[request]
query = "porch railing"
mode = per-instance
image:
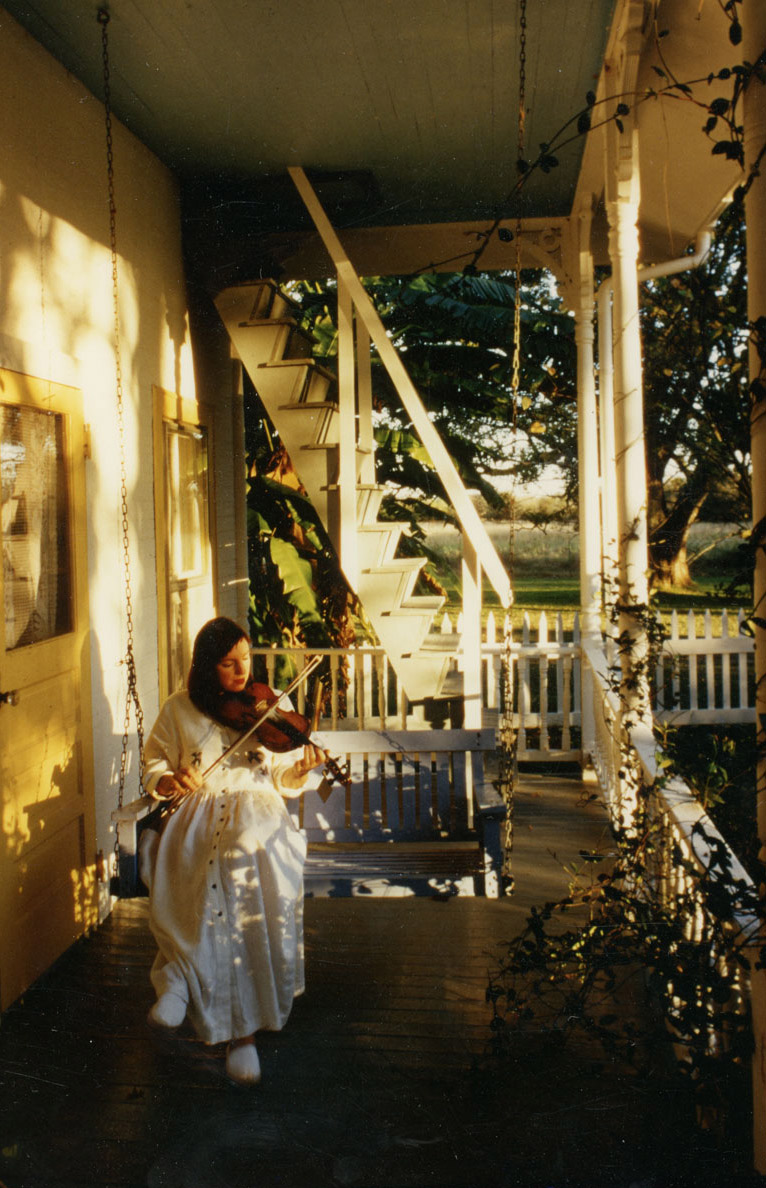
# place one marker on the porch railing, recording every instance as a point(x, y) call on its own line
point(691, 862)
point(362, 690)
point(700, 678)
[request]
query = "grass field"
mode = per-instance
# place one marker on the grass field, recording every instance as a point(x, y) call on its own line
point(544, 569)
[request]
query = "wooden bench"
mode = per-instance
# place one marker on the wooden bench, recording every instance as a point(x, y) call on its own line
point(421, 816)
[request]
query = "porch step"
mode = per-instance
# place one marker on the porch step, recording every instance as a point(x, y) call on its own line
point(377, 543)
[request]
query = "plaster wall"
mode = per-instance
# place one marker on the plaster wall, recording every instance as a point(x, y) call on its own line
point(57, 322)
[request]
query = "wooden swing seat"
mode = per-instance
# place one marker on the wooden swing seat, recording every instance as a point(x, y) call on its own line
point(421, 816)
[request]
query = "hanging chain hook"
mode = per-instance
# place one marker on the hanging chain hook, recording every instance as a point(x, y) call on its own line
point(130, 662)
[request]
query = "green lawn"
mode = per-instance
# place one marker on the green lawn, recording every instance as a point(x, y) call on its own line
point(545, 576)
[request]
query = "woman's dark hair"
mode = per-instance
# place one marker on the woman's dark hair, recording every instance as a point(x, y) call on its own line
point(214, 641)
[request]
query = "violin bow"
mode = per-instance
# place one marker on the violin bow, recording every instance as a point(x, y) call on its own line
point(301, 677)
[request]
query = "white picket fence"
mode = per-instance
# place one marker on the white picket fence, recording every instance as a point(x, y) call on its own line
point(705, 678)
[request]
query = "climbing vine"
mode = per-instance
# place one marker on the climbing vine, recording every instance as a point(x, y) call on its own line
point(650, 918)
point(722, 123)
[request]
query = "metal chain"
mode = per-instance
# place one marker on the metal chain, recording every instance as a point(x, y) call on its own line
point(508, 737)
point(516, 369)
point(507, 754)
point(132, 697)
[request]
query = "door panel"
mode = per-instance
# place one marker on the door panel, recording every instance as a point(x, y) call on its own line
point(47, 858)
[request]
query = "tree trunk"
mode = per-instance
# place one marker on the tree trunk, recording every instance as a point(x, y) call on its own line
point(668, 542)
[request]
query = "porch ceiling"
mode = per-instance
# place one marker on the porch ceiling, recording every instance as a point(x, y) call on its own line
point(404, 112)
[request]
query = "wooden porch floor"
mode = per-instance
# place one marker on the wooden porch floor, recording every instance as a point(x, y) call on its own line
point(381, 1079)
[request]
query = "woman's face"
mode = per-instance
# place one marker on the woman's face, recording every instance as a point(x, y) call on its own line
point(234, 669)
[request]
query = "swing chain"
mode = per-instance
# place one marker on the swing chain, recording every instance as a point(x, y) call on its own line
point(508, 750)
point(132, 696)
point(516, 371)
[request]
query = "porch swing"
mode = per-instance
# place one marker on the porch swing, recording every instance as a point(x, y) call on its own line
point(145, 812)
point(430, 792)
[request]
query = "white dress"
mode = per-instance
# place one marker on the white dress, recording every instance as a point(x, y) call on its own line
point(225, 878)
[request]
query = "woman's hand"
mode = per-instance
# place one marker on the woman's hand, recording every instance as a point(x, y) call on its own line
point(174, 787)
point(311, 757)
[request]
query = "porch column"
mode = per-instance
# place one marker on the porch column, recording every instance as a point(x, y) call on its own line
point(623, 188)
point(346, 435)
point(587, 436)
point(607, 467)
point(471, 577)
point(754, 114)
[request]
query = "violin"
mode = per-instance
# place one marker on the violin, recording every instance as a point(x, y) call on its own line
point(280, 731)
point(256, 711)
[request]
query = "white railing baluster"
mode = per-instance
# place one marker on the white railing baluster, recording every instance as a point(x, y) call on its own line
point(577, 666)
point(491, 667)
point(691, 635)
point(542, 640)
point(709, 662)
point(401, 705)
point(675, 683)
point(525, 693)
point(725, 663)
point(558, 635)
point(741, 663)
point(380, 665)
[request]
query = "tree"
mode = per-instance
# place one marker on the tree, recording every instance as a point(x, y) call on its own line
point(695, 330)
point(455, 333)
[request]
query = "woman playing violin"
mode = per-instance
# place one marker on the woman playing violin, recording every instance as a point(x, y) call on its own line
point(225, 875)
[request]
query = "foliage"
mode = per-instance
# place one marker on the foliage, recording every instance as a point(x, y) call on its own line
point(650, 914)
point(298, 595)
point(455, 334)
point(694, 333)
point(719, 764)
point(578, 961)
point(722, 121)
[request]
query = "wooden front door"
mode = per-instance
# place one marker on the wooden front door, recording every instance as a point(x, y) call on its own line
point(185, 577)
point(47, 855)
